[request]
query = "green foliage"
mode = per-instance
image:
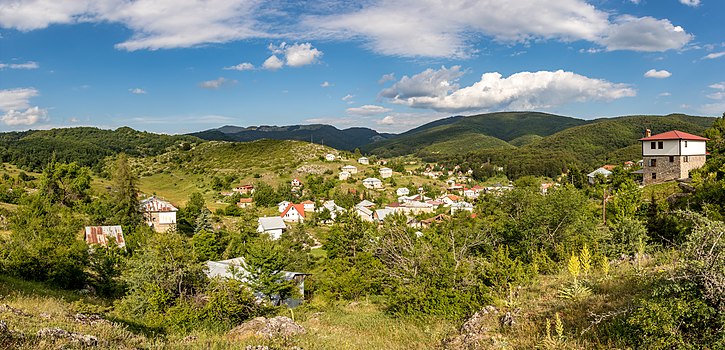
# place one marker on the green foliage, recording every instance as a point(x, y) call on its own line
point(265, 262)
point(65, 184)
point(627, 233)
point(105, 266)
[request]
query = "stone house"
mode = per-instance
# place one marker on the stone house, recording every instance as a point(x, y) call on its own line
point(671, 155)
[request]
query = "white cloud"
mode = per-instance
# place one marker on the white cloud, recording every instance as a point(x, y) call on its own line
point(30, 116)
point(241, 67)
point(13, 101)
point(717, 95)
point(326, 84)
point(665, 94)
point(137, 91)
point(216, 83)
point(439, 90)
point(449, 29)
point(386, 78)
point(367, 110)
point(714, 55)
point(643, 34)
point(657, 74)
point(388, 120)
point(272, 63)
point(26, 65)
point(348, 98)
point(718, 86)
point(713, 108)
point(693, 3)
point(295, 55)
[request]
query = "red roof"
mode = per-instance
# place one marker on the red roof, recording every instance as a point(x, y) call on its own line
point(308, 202)
point(300, 208)
point(674, 135)
point(609, 167)
point(245, 200)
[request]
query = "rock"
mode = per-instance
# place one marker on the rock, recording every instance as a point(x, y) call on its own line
point(507, 320)
point(44, 315)
point(475, 332)
point(8, 308)
point(59, 333)
point(189, 339)
point(89, 319)
point(4, 327)
point(275, 327)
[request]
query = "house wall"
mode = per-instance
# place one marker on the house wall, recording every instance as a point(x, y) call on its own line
point(670, 148)
point(694, 148)
point(667, 171)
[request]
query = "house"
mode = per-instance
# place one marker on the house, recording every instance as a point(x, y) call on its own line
point(544, 188)
point(628, 164)
point(601, 171)
point(403, 191)
point(386, 173)
point(434, 220)
point(671, 155)
point(296, 183)
point(416, 208)
point(343, 175)
point(364, 213)
point(449, 199)
point(309, 206)
point(281, 206)
point(365, 203)
point(363, 160)
point(274, 226)
point(333, 208)
point(294, 213)
point(158, 214)
point(350, 169)
point(329, 157)
point(380, 214)
point(237, 269)
point(245, 203)
point(372, 183)
point(102, 235)
point(244, 189)
point(461, 206)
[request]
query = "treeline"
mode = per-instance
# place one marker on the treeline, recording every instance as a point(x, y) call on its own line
point(86, 146)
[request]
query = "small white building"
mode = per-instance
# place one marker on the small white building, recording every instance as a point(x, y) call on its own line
point(363, 160)
point(281, 206)
point(458, 206)
point(386, 173)
point(364, 213)
point(330, 157)
point(271, 225)
point(159, 214)
point(372, 183)
point(294, 213)
point(350, 169)
point(601, 171)
point(403, 191)
point(343, 175)
point(296, 183)
point(381, 214)
point(333, 208)
point(309, 206)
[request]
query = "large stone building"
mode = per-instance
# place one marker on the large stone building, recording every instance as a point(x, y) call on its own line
point(671, 155)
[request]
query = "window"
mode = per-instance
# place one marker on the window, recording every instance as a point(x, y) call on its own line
point(685, 143)
point(654, 176)
point(660, 145)
point(653, 145)
point(672, 159)
point(685, 159)
point(653, 162)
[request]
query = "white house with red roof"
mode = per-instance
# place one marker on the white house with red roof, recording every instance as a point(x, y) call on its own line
point(294, 213)
point(671, 155)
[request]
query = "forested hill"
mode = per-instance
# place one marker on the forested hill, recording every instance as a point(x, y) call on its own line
point(31, 150)
point(505, 126)
point(346, 139)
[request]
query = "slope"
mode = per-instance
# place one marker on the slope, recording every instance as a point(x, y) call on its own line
point(347, 139)
point(503, 125)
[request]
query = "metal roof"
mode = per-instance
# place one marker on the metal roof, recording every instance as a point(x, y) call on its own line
point(153, 204)
point(101, 235)
point(272, 223)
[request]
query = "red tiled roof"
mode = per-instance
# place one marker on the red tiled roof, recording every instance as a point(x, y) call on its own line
point(609, 167)
point(674, 135)
point(245, 200)
point(308, 202)
point(300, 208)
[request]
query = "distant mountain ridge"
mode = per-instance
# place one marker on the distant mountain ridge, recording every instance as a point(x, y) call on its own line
point(345, 139)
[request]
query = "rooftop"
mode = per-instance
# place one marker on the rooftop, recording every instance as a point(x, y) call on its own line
point(674, 135)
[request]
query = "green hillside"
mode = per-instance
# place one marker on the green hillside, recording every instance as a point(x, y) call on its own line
point(505, 126)
point(468, 143)
point(525, 140)
point(31, 150)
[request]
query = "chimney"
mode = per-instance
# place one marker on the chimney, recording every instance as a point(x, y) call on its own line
point(647, 133)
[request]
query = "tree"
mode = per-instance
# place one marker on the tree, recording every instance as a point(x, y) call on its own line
point(265, 262)
point(65, 184)
point(124, 193)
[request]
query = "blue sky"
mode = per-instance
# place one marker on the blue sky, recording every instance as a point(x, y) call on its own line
point(178, 66)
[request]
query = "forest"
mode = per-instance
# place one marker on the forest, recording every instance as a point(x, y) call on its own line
point(608, 265)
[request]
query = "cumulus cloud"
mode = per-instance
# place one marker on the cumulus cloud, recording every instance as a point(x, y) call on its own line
point(448, 29)
point(388, 120)
point(241, 67)
point(693, 3)
point(657, 74)
point(326, 84)
point(643, 34)
point(216, 83)
point(272, 63)
point(137, 91)
point(386, 78)
point(367, 110)
point(14, 101)
point(295, 55)
point(440, 91)
point(714, 55)
point(26, 65)
point(717, 95)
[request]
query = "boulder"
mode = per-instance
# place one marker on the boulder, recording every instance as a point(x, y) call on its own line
point(261, 327)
